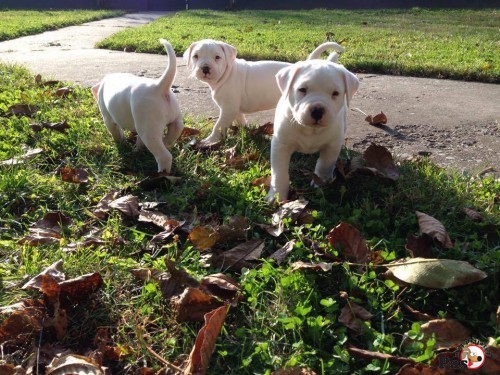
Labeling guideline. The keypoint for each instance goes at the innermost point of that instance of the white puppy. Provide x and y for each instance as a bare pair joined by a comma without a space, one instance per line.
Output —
310,117
145,106
238,86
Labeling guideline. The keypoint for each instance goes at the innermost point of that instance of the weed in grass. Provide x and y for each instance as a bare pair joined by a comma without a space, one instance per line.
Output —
286,316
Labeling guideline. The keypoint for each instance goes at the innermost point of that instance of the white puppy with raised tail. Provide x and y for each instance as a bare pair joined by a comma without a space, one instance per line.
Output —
143,105
310,117
238,86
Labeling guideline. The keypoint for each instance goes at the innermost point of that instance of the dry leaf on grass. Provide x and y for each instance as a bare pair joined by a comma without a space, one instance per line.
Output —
203,237
434,228
350,242
235,229
473,214
21,326
193,304
289,210
189,132
76,176
20,110
47,230
29,153
352,316
265,129
449,333
74,364
159,219
379,158
221,286
423,369
282,253
103,207
241,255
435,273
321,266
128,205
63,92
60,127
419,247
204,346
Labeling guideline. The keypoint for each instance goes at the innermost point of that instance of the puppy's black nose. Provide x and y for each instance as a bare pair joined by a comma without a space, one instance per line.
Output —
317,113
205,70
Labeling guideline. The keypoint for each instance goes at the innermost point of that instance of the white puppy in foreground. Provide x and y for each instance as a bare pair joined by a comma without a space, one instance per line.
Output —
238,86
145,106
310,117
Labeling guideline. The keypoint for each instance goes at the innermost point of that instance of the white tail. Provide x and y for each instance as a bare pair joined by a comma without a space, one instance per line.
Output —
167,78
333,57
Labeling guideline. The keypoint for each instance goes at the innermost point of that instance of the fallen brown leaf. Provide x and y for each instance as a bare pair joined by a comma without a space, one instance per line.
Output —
103,207
449,333
473,214
435,273
56,126
282,253
203,237
199,359
29,154
76,176
74,364
419,247
20,110
321,266
189,132
221,286
241,255
193,304
289,210
265,129
352,316
434,228
128,205
379,158
350,242
379,119
63,92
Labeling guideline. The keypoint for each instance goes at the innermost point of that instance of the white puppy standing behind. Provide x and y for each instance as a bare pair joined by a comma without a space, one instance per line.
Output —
143,105
238,86
310,117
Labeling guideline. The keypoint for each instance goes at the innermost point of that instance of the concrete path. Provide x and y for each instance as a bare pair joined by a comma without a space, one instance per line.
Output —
456,123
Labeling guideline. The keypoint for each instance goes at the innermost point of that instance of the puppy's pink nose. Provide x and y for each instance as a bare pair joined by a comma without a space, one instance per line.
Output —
317,113
205,70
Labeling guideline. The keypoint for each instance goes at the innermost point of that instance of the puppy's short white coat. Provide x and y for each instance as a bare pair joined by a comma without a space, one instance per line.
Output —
310,117
238,86
143,105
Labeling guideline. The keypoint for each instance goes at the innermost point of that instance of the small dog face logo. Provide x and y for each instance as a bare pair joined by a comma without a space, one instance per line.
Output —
472,356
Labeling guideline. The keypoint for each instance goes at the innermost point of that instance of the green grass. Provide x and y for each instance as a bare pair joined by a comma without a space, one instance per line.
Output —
17,23
285,318
457,44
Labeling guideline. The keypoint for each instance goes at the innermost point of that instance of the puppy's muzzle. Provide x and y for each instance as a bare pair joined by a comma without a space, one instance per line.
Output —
205,70
317,113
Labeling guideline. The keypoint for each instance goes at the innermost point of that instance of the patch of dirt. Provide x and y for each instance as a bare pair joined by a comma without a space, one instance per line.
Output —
463,147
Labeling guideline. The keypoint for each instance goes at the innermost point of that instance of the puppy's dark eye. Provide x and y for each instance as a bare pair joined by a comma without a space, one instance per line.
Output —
303,90
217,57
335,93
195,56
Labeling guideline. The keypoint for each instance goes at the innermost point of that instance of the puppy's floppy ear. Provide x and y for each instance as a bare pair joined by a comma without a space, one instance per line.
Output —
187,54
285,78
229,51
351,84
95,90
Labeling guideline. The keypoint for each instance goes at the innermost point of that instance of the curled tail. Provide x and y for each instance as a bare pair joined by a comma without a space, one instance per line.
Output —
333,57
167,78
